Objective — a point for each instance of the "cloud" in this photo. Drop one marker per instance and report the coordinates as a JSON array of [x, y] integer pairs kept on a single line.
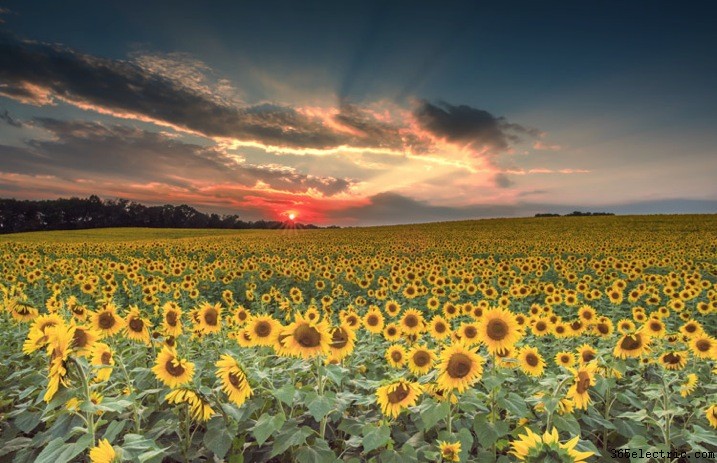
[[502, 181], [9, 120], [466, 125], [79, 149]]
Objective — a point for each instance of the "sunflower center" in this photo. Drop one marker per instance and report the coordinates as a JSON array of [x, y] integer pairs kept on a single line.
[[631, 342], [172, 318], [532, 359], [106, 320], [391, 331], [235, 380], [105, 358], [470, 332], [690, 328], [587, 355], [459, 365], [307, 336], [672, 358], [603, 328], [411, 321], [174, 369], [169, 341], [136, 325], [398, 394], [440, 327], [656, 327], [241, 315], [211, 316], [339, 339], [372, 320], [79, 339], [263, 329], [541, 326], [497, 330], [564, 359], [421, 358], [703, 345], [396, 356], [583, 382]]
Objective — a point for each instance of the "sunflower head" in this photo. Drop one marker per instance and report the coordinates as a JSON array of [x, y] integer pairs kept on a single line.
[[306, 339], [172, 370], [498, 329], [397, 396], [234, 381], [460, 367]]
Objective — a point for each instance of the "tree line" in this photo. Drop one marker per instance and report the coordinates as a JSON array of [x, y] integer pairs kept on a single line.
[[93, 212], [574, 214]]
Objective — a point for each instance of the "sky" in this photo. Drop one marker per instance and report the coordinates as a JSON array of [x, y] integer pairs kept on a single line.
[[362, 113]]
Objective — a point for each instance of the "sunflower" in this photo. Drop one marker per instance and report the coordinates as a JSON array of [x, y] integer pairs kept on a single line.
[[468, 332], [306, 339], [411, 322], [688, 387], [626, 326], [632, 345], [397, 396], [343, 340], [541, 327], [373, 321], [655, 328], [106, 321], [263, 330], [241, 316], [587, 314], [243, 338], [578, 392], [391, 332], [586, 353], [441, 395], [396, 355], [102, 357], [392, 308], [210, 318], [561, 330], [136, 327], [172, 370], [498, 329], [234, 381], [199, 408], [172, 319], [674, 360], [565, 359], [532, 448], [59, 347], [603, 328], [83, 339], [439, 328], [421, 360], [450, 451], [704, 347], [711, 414], [531, 362], [103, 453], [460, 367]]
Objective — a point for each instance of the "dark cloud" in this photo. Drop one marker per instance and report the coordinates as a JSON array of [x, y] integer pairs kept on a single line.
[[80, 149], [9, 120], [503, 181], [466, 125], [33, 72]]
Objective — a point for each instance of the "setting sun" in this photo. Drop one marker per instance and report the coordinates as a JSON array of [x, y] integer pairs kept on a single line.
[[292, 215]]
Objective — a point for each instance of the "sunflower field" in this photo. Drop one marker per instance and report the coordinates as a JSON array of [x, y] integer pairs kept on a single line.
[[541, 340]]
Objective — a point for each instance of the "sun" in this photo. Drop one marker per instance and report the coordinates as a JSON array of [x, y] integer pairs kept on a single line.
[[292, 215]]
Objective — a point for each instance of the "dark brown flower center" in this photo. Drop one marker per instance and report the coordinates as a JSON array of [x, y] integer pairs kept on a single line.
[[703, 345], [211, 316], [587, 355], [656, 326], [631, 342], [107, 320], [241, 315], [541, 326], [440, 327], [421, 358], [603, 328], [172, 369], [396, 356], [172, 318], [307, 336], [497, 330], [531, 359], [564, 359], [339, 339], [262, 329], [410, 321], [372, 320], [391, 331], [136, 325], [459, 365], [106, 357], [398, 394], [583, 382], [672, 358], [470, 332], [79, 339], [690, 327], [236, 380]]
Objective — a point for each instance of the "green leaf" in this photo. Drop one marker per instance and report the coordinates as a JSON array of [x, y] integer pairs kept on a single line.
[[466, 440], [152, 456], [265, 426], [59, 452], [286, 394], [113, 430], [699, 435], [319, 452], [289, 438], [27, 421], [488, 433], [567, 423], [515, 405], [218, 439], [335, 373], [319, 407], [375, 437], [432, 413]]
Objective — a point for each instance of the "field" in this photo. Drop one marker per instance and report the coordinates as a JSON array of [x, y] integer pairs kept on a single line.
[[544, 340]]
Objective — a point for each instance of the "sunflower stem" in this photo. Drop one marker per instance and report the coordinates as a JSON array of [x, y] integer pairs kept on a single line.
[[86, 387], [320, 386]]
